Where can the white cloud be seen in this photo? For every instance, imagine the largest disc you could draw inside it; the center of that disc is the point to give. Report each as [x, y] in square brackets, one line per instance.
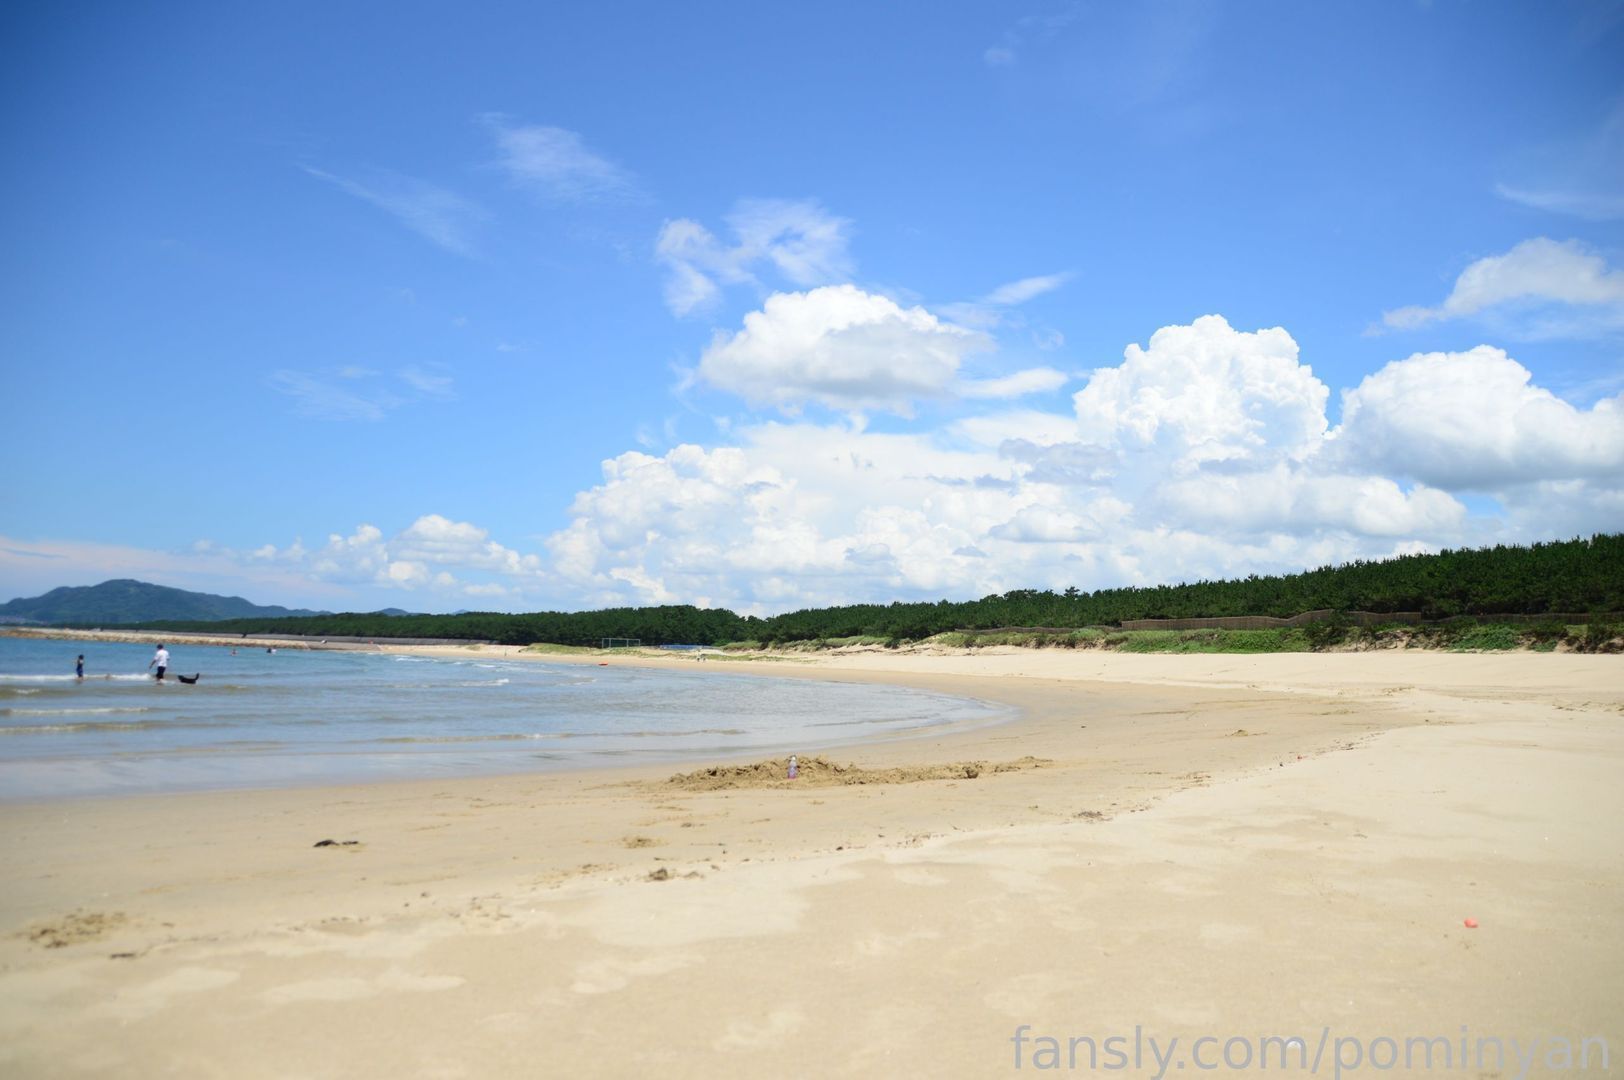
[1207, 393]
[1019, 292]
[1540, 271]
[805, 244]
[1205, 453]
[992, 309]
[1293, 500]
[439, 541]
[1474, 420]
[440, 215]
[1018, 384]
[556, 163]
[840, 347]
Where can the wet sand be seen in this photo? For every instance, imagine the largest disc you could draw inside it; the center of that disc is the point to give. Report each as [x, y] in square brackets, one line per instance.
[1193, 845]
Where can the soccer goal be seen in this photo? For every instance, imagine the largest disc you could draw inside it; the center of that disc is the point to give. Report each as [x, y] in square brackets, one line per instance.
[622, 642]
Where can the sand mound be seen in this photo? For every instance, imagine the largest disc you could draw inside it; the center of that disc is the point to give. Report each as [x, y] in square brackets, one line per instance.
[821, 772]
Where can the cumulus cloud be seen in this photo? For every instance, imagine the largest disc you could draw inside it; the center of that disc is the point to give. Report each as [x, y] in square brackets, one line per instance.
[802, 242]
[556, 164]
[1474, 420]
[1205, 453]
[1206, 393]
[1540, 271]
[1295, 501]
[840, 347]
[1202, 454]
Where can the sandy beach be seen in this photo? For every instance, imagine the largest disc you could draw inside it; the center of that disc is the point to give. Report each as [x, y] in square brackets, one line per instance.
[1159, 848]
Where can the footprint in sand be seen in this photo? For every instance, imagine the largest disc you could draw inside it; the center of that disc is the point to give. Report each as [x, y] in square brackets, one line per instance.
[154, 997]
[742, 1035]
[607, 976]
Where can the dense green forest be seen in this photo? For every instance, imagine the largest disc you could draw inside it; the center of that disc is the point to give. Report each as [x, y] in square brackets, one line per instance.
[1585, 575]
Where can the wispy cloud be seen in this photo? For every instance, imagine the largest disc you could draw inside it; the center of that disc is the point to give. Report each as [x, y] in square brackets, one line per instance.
[1019, 292]
[430, 211]
[427, 381]
[1031, 381]
[356, 393]
[1581, 177]
[802, 241]
[1030, 28]
[556, 163]
[1589, 205]
[988, 311]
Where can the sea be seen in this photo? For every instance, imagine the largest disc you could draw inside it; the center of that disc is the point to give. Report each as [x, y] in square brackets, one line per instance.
[298, 717]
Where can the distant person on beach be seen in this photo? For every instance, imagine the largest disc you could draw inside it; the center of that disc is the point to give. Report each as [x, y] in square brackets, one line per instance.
[79, 667]
[160, 660]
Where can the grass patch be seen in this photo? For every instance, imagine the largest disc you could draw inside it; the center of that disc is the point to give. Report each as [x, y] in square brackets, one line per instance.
[1290, 639]
[548, 647]
[1487, 638]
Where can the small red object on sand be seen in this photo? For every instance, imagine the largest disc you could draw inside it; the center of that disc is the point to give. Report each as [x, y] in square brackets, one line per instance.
[603, 663]
[1471, 923]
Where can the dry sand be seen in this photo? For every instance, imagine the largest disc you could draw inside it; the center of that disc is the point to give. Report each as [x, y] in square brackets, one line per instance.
[1220, 846]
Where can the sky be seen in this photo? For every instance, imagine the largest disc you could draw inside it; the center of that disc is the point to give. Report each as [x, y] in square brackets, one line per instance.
[513, 306]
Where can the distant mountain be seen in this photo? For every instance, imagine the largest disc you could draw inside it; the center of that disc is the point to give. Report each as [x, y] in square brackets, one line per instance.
[127, 601]
[392, 611]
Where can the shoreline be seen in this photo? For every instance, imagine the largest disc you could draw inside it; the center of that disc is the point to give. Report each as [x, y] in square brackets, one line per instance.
[1326, 818]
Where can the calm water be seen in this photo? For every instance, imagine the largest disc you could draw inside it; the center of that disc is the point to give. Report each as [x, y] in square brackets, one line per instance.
[295, 717]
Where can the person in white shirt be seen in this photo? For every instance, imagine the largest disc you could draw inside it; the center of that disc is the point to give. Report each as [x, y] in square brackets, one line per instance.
[160, 660]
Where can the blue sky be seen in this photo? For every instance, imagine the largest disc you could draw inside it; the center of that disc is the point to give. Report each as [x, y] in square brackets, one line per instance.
[517, 306]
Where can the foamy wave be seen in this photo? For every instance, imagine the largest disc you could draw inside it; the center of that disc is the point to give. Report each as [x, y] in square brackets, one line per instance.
[66, 678]
[89, 725]
[467, 738]
[551, 736]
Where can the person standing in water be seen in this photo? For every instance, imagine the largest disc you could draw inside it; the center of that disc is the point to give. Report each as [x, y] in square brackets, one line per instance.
[160, 660]
[79, 667]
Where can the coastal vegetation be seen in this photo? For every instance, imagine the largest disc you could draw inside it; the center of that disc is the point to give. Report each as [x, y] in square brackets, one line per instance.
[1455, 594]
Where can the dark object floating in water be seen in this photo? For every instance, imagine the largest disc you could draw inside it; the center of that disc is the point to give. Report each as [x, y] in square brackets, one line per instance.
[336, 843]
[189, 681]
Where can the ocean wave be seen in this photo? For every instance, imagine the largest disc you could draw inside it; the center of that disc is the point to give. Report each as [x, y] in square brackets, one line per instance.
[74, 712]
[551, 736]
[4, 678]
[95, 725]
[506, 737]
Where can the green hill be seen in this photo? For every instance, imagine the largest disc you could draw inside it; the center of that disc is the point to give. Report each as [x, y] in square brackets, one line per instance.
[127, 601]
